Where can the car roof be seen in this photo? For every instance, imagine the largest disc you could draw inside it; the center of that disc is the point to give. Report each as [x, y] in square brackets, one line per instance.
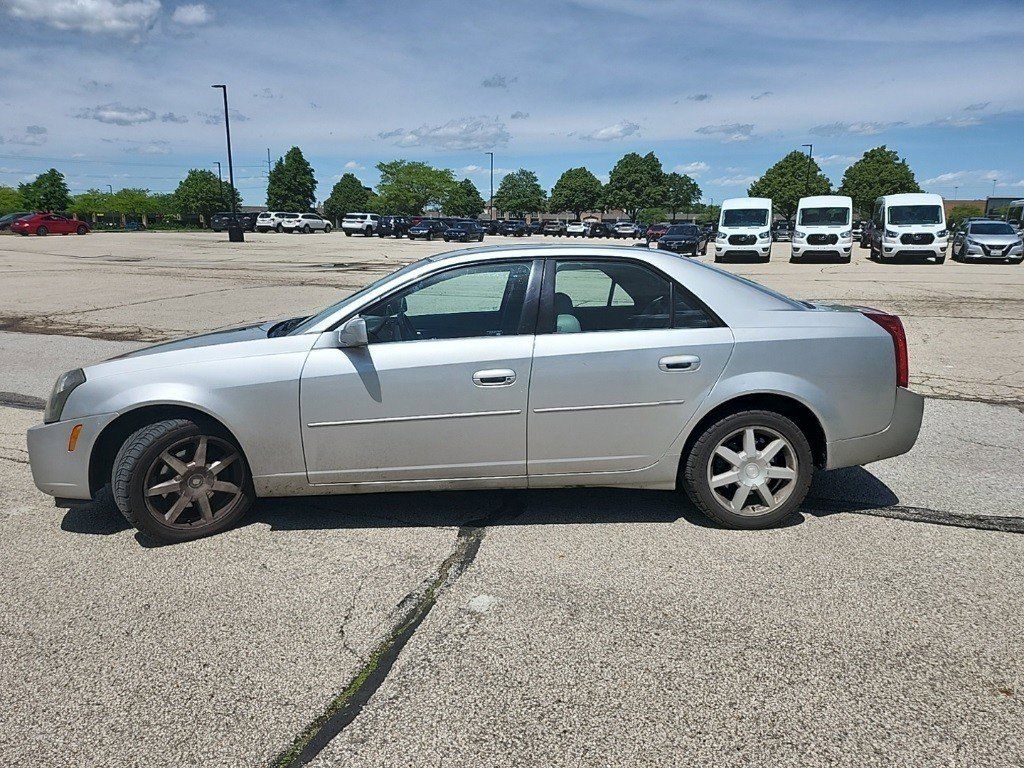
[912, 198]
[821, 200]
[747, 202]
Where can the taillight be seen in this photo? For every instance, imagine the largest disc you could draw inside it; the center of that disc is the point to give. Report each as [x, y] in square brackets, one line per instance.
[894, 327]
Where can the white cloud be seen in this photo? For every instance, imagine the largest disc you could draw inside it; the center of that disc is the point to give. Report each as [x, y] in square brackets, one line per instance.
[498, 81]
[352, 165]
[836, 159]
[119, 17]
[863, 129]
[733, 181]
[192, 15]
[962, 177]
[484, 170]
[693, 169]
[32, 136]
[217, 118]
[955, 121]
[698, 97]
[148, 148]
[466, 133]
[266, 93]
[170, 117]
[729, 131]
[518, 115]
[619, 130]
[116, 113]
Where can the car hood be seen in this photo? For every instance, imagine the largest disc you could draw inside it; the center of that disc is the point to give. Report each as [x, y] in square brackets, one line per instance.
[995, 239]
[231, 336]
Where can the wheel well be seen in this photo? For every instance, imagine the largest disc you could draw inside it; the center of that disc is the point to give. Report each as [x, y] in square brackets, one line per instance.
[792, 409]
[116, 432]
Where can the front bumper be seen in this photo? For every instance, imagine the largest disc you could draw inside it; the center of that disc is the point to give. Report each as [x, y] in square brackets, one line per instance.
[892, 248]
[897, 438]
[56, 470]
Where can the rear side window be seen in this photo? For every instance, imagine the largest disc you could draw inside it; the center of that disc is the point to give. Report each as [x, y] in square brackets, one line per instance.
[591, 296]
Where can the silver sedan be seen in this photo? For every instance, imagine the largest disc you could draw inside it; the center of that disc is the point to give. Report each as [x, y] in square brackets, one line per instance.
[509, 367]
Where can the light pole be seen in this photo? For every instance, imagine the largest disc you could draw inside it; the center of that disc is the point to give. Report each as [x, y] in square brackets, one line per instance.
[220, 181]
[955, 189]
[490, 201]
[235, 234]
[110, 189]
[807, 173]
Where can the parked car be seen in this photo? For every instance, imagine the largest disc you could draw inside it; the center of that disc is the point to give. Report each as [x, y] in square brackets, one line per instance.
[655, 231]
[464, 232]
[641, 231]
[49, 224]
[622, 229]
[9, 218]
[910, 225]
[823, 228]
[744, 229]
[427, 229]
[597, 229]
[272, 221]
[858, 229]
[221, 221]
[536, 227]
[393, 226]
[576, 229]
[684, 238]
[553, 227]
[491, 226]
[306, 223]
[621, 369]
[865, 234]
[988, 239]
[782, 231]
[364, 224]
[515, 228]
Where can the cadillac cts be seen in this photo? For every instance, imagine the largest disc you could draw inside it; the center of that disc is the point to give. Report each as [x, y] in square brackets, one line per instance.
[510, 367]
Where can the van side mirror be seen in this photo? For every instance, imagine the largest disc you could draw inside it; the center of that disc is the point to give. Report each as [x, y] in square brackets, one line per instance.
[353, 333]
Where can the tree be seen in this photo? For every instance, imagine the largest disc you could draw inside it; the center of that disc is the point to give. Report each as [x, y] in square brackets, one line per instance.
[794, 176]
[576, 190]
[291, 185]
[10, 200]
[635, 182]
[880, 171]
[48, 192]
[90, 203]
[519, 194]
[408, 187]
[201, 192]
[347, 196]
[463, 200]
[960, 213]
[131, 200]
[651, 215]
[681, 193]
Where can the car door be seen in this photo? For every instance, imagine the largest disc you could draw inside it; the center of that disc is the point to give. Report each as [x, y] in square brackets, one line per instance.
[439, 393]
[623, 358]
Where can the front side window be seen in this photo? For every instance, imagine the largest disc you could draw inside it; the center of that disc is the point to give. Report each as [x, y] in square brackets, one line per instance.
[619, 296]
[824, 217]
[745, 217]
[466, 302]
[906, 215]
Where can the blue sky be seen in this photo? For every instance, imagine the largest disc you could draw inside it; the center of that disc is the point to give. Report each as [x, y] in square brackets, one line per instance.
[118, 92]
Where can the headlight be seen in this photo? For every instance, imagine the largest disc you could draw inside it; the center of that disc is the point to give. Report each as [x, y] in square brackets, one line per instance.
[942, 233]
[763, 235]
[65, 385]
[720, 236]
[847, 233]
[800, 234]
[889, 233]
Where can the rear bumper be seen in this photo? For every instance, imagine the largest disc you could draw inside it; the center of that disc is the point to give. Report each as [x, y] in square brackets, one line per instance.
[899, 437]
[56, 470]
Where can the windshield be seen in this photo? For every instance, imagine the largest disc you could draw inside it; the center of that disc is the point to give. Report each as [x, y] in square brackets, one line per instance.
[745, 217]
[825, 217]
[324, 314]
[904, 215]
[995, 228]
[688, 229]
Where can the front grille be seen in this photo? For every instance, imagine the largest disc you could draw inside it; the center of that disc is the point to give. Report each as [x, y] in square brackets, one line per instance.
[744, 254]
[742, 239]
[822, 239]
[994, 250]
[918, 238]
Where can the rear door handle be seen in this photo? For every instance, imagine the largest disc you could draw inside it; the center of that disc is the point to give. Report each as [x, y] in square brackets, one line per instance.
[679, 363]
[499, 377]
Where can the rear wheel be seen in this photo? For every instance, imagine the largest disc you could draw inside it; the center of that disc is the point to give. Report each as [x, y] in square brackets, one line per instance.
[279, 229]
[177, 480]
[749, 470]
[81, 229]
[42, 231]
[305, 230]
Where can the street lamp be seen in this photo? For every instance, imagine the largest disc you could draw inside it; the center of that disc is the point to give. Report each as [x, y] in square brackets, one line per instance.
[490, 201]
[807, 173]
[235, 234]
[110, 188]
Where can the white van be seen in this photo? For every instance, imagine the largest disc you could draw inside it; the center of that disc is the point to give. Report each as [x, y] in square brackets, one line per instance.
[362, 223]
[824, 227]
[908, 226]
[745, 228]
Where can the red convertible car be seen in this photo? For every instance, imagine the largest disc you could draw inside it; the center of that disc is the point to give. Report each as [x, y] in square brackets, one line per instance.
[49, 224]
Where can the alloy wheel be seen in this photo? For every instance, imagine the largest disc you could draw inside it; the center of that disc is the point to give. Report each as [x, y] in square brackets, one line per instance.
[752, 471]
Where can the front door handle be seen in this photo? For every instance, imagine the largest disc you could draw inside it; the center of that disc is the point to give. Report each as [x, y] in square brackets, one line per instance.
[499, 377]
[679, 363]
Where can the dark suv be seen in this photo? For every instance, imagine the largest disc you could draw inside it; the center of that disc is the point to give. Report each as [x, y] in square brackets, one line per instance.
[219, 221]
[394, 226]
[515, 228]
[428, 229]
[464, 231]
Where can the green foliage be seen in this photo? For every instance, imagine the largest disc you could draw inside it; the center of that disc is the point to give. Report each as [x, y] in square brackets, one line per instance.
[576, 190]
[652, 215]
[519, 194]
[48, 192]
[406, 188]
[794, 176]
[91, 202]
[880, 171]
[200, 192]
[291, 185]
[960, 212]
[708, 213]
[635, 182]
[463, 200]
[681, 192]
[10, 200]
[347, 196]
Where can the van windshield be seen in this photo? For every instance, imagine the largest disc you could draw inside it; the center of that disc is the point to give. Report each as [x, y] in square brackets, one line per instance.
[825, 217]
[745, 217]
[904, 215]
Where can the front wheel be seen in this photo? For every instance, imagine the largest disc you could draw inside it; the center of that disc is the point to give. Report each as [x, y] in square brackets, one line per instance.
[81, 229]
[42, 231]
[279, 229]
[749, 470]
[327, 228]
[176, 480]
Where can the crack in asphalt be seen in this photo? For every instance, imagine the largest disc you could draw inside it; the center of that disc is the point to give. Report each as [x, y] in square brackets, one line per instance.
[999, 523]
[27, 402]
[413, 609]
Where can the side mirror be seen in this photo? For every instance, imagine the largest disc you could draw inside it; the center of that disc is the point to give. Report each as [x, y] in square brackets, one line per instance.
[353, 333]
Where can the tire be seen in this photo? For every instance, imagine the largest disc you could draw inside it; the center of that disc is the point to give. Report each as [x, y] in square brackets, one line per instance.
[940, 260]
[430, 235]
[480, 239]
[368, 232]
[81, 229]
[279, 229]
[305, 230]
[347, 233]
[42, 231]
[702, 462]
[140, 462]
[327, 228]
